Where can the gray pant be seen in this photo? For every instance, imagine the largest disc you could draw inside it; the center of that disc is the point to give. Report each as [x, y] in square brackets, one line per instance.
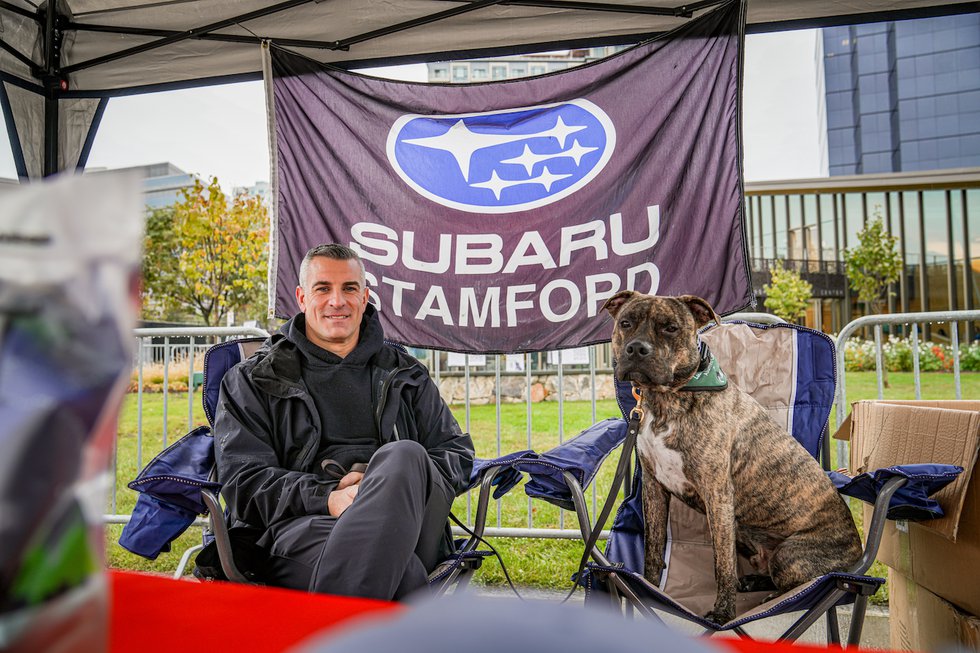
[383, 546]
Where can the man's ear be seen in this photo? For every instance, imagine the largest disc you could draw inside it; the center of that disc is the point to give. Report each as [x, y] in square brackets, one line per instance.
[700, 309]
[300, 297]
[615, 303]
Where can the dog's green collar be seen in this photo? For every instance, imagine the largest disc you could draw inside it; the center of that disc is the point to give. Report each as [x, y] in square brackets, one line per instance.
[709, 377]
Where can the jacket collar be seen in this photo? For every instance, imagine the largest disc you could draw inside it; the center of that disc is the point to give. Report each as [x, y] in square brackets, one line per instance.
[279, 371]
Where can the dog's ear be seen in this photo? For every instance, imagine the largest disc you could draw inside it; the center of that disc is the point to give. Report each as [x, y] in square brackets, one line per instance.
[614, 303]
[700, 309]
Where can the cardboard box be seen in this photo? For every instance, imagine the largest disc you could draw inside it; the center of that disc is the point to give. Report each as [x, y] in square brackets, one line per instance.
[918, 620]
[940, 555]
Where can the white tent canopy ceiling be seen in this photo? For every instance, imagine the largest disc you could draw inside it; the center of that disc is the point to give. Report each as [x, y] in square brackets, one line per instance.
[58, 68]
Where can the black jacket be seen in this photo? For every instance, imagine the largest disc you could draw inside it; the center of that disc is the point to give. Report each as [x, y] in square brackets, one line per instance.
[267, 431]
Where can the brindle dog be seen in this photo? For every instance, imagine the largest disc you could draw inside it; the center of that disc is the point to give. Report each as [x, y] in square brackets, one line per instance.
[723, 455]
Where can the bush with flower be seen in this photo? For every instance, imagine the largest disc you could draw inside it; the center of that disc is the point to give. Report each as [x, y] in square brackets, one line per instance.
[859, 356]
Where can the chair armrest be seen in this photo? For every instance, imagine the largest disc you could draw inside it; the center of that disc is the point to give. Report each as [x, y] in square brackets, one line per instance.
[505, 473]
[877, 524]
[911, 501]
[222, 540]
[898, 492]
[578, 458]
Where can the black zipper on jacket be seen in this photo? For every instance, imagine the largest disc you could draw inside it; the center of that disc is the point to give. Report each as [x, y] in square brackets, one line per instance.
[383, 400]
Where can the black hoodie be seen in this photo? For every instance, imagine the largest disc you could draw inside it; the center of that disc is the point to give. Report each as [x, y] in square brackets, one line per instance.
[267, 429]
[341, 389]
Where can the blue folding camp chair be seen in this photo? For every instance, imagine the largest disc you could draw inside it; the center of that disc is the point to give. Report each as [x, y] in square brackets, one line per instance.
[179, 484]
[791, 371]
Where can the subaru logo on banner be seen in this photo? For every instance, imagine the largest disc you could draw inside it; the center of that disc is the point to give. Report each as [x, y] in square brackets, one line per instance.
[502, 161]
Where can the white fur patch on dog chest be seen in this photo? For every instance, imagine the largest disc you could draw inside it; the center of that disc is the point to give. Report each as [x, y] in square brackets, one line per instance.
[666, 463]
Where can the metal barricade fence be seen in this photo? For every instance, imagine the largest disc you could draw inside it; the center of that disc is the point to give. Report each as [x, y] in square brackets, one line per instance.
[166, 346]
[163, 347]
[876, 322]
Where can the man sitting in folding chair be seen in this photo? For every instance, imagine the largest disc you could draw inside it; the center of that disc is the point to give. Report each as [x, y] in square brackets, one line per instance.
[336, 448]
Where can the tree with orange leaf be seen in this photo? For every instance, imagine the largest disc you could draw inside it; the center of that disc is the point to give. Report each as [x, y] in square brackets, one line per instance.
[207, 256]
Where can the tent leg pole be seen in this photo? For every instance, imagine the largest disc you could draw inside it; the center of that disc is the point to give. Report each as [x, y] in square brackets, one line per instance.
[50, 136]
[52, 84]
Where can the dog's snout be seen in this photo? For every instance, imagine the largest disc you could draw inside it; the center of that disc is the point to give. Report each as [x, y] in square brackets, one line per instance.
[638, 349]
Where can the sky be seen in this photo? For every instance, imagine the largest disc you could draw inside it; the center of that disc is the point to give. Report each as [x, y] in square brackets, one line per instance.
[221, 130]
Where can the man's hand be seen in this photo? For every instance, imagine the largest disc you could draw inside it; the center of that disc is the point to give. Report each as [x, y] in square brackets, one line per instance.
[349, 479]
[341, 499]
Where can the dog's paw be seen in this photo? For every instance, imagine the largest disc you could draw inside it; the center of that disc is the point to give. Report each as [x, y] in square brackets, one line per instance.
[720, 615]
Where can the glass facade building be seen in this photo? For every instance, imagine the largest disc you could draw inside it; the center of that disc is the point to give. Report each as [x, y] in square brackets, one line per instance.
[903, 95]
[521, 65]
[809, 223]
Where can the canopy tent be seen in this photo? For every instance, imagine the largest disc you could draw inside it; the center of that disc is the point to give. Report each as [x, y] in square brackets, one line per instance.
[58, 68]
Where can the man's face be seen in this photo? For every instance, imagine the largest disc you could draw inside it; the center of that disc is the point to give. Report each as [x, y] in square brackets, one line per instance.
[333, 301]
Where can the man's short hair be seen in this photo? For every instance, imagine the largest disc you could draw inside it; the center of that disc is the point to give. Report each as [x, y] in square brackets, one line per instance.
[335, 251]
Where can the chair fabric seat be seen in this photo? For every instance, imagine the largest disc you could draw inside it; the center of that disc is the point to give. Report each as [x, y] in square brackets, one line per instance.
[803, 597]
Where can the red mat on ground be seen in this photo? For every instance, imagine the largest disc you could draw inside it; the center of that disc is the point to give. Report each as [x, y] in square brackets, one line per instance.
[152, 614]
[155, 613]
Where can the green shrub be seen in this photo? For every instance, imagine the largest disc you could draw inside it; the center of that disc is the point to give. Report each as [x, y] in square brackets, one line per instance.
[898, 355]
[859, 356]
[970, 357]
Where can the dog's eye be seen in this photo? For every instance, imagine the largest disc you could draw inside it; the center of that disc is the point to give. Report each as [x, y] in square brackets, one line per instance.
[670, 328]
[625, 324]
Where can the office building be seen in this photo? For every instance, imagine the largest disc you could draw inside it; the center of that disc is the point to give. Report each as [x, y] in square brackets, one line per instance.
[903, 96]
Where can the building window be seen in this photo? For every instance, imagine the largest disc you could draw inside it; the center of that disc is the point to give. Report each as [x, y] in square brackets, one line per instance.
[498, 72]
[461, 73]
[538, 69]
[440, 72]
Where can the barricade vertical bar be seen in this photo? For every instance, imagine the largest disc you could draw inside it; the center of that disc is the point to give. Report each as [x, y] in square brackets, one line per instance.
[527, 394]
[879, 363]
[466, 404]
[166, 385]
[190, 384]
[115, 465]
[592, 354]
[561, 415]
[497, 391]
[915, 360]
[139, 406]
[955, 330]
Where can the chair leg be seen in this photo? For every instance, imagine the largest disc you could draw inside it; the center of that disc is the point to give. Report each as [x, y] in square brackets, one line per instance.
[464, 581]
[810, 616]
[184, 559]
[738, 630]
[857, 620]
[833, 627]
[221, 538]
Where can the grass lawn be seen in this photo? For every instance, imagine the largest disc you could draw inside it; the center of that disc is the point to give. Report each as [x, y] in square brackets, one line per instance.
[546, 563]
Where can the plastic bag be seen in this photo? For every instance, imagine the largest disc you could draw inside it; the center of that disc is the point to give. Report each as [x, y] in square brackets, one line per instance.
[69, 286]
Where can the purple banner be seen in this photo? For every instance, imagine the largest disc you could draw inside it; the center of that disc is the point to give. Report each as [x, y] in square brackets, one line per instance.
[499, 217]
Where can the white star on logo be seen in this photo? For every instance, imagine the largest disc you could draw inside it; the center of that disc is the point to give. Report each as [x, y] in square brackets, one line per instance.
[546, 179]
[528, 158]
[577, 151]
[561, 131]
[461, 143]
[497, 185]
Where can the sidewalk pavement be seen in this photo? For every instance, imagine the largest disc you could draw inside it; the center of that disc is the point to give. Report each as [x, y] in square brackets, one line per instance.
[874, 635]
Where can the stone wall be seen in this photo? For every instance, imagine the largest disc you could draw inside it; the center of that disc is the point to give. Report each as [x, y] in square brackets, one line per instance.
[513, 388]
